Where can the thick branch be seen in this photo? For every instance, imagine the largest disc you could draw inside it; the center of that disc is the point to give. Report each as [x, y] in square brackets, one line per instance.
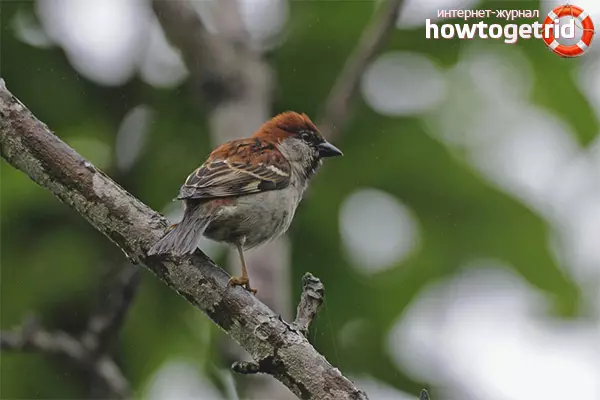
[33, 338]
[30, 146]
[370, 43]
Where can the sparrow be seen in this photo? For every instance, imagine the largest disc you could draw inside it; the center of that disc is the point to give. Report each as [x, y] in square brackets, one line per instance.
[247, 191]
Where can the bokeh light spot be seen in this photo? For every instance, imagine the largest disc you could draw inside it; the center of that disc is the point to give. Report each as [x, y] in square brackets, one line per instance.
[377, 230]
[400, 83]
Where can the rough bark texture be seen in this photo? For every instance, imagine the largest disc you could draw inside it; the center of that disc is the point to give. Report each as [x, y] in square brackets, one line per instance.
[313, 293]
[279, 349]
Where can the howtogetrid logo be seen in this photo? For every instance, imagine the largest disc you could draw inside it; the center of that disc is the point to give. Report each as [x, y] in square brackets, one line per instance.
[583, 22]
[576, 24]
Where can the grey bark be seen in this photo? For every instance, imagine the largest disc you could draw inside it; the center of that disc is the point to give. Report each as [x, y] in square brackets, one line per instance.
[276, 346]
[313, 293]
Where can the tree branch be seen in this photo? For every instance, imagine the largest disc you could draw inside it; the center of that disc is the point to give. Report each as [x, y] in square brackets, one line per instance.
[33, 338]
[370, 43]
[91, 351]
[229, 75]
[212, 61]
[28, 145]
[313, 293]
[104, 326]
[311, 299]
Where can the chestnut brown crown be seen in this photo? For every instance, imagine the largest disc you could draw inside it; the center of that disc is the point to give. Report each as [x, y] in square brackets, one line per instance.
[291, 124]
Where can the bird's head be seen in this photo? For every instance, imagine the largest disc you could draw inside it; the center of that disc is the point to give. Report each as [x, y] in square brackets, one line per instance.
[298, 139]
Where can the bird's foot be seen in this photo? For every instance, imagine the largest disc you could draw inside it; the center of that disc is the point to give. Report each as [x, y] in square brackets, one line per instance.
[241, 281]
[170, 228]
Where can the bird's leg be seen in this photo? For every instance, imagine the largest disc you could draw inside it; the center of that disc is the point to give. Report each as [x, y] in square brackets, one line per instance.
[241, 280]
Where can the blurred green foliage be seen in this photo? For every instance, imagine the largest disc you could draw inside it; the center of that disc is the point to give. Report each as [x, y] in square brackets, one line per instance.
[54, 265]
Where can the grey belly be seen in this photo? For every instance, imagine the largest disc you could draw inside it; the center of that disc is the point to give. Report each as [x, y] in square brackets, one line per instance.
[256, 218]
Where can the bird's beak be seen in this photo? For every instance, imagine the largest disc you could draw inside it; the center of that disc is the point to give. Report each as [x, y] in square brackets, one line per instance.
[326, 149]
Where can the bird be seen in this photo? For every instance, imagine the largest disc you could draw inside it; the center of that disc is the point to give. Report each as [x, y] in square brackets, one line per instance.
[247, 191]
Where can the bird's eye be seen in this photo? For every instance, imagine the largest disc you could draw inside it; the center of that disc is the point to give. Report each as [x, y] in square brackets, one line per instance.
[305, 135]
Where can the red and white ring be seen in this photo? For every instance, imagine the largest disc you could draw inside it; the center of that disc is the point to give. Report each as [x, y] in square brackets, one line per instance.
[586, 39]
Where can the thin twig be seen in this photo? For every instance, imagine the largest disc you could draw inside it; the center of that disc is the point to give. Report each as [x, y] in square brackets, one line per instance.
[245, 367]
[104, 326]
[91, 350]
[344, 88]
[36, 339]
[313, 293]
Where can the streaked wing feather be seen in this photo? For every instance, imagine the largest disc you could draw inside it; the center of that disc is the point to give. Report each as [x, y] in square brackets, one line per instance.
[238, 168]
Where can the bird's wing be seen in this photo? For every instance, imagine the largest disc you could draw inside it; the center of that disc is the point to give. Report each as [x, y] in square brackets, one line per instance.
[238, 168]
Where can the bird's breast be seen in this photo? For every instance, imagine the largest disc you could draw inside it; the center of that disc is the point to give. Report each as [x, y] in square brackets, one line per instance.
[257, 218]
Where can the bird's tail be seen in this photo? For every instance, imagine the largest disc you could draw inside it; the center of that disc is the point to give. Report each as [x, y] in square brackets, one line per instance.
[185, 236]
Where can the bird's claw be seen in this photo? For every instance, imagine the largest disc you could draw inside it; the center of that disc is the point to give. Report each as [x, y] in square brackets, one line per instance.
[170, 228]
[241, 281]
